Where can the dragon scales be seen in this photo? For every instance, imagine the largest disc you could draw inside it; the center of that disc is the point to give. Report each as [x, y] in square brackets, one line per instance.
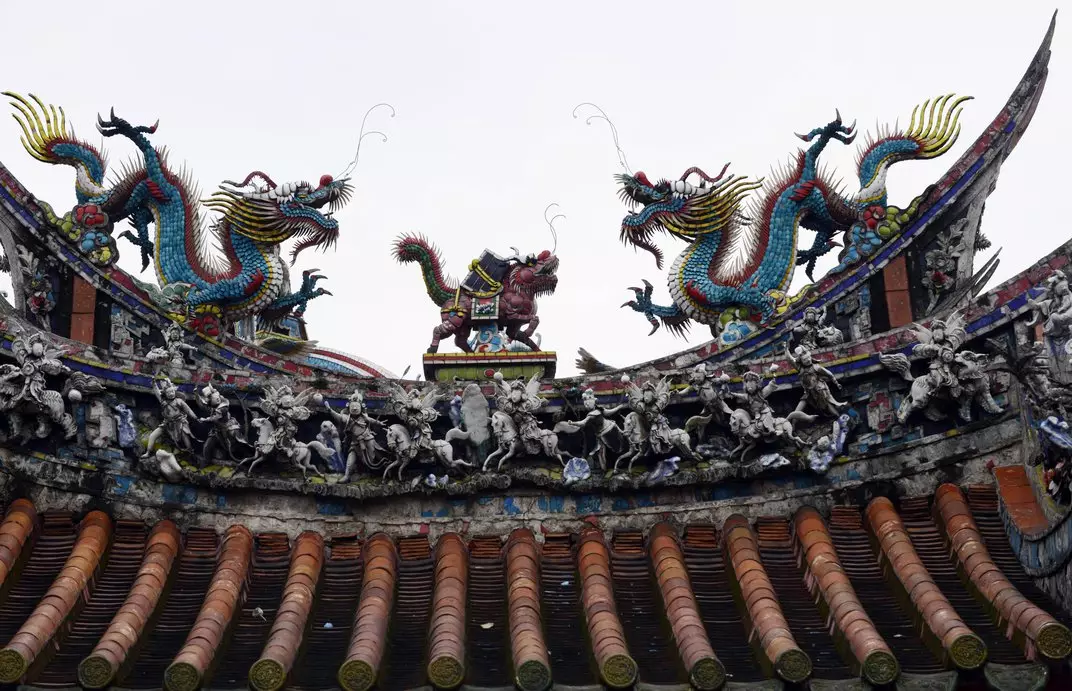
[247, 277]
[739, 265]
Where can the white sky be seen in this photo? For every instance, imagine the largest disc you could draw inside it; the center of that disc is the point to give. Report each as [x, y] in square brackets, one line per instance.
[484, 137]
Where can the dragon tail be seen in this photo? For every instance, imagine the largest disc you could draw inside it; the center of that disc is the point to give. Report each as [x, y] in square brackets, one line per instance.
[417, 249]
[932, 130]
[47, 138]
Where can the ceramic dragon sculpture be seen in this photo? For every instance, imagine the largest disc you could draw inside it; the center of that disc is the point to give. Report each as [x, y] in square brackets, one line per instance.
[246, 277]
[740, 262]
[507, 288]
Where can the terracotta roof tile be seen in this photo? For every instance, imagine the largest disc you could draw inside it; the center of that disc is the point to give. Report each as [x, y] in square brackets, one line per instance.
[617, 669]
[768, 622]
[965, 649]
[563, 609]
[1046, 635]
[362, 665]
[15, 530]
[269, 673]
[100, 667]
[446, 640]
[828, 580]
[31, 639]
[532, 665]
[706, 671]
[186, 672]
[1018, 495]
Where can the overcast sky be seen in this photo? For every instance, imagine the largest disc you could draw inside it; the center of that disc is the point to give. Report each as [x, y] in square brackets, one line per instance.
[484, 138]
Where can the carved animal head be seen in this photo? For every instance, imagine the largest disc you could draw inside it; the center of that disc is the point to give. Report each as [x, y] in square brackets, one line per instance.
[397, 438]
[679, 207]
[503, 427]
[535, 275]
[271, 213]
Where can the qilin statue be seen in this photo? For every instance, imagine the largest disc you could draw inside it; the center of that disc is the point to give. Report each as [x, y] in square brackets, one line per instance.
[517, 432]
[24, 390]
[246, 277]
[955, 376]
[740, 265]
[412, 441]
[503, 290]
[646, 429]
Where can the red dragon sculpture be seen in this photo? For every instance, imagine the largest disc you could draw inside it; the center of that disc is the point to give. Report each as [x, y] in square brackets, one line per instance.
[497, 289]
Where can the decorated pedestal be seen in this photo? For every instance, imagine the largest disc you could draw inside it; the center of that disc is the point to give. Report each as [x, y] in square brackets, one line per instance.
[445, 367]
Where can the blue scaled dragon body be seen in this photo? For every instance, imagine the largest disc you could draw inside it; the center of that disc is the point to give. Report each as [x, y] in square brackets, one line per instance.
[740, 259]
[227, 269]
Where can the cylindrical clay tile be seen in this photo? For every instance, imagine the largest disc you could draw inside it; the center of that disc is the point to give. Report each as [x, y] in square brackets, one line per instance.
[877, 662]
[1048, 636]
[99, 668]
[532, 665]
[965, 649]
[15, 530]
[706, 671]
[269, 673]
[93, 538]
[362, 665]
[186, 672]
[446, 645]
[616, 667]
[768, 622]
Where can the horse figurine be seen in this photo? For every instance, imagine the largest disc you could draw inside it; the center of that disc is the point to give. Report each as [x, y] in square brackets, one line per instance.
[639, 439]
[404, 450]
[749, 433]
[300, 454]
[511, 444]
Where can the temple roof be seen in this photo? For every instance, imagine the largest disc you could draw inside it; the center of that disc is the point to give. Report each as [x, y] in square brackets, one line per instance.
[874, 592]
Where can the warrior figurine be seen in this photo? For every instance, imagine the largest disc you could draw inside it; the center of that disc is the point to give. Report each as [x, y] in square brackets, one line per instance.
[754, 400]
[1055, 305]
[277, 432]
[517, 432]
[712, 391]
[357, 428]
[813, 379]
[598, 420]
[520, 403]
[756, 422]
[169, 358]
[646, 428]
[958, 377]
[226, 432]
[811, 333]
[175, 416]
[24, 389]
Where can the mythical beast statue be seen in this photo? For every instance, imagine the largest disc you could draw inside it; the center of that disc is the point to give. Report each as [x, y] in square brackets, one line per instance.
[247, 277]
[741, 264]
[502, 290]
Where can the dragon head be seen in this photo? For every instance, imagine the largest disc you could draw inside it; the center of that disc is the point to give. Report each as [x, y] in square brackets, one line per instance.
[679, 207]
[272, 213]
[536, 274]
[657, 202]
